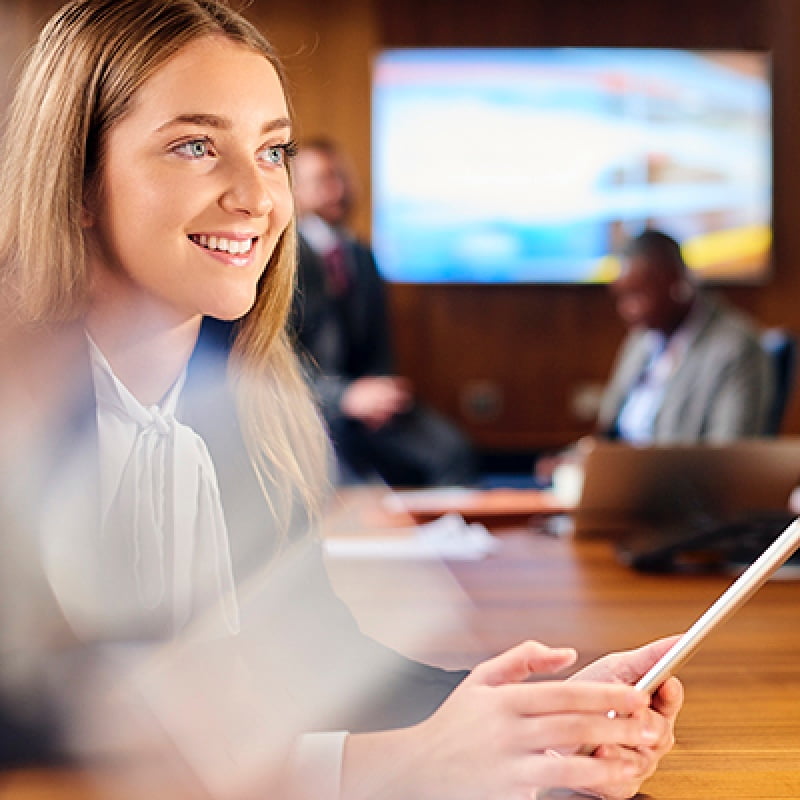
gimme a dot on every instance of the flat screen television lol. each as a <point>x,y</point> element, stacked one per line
<point>535,165</point>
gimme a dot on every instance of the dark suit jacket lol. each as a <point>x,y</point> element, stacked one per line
<point>301,640</point>
<point>347,337</point>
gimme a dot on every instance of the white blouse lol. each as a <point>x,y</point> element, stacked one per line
<point>158,486</point>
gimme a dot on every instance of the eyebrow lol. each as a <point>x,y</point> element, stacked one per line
<point>221,123</point>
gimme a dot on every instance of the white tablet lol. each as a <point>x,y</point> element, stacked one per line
<point>738,593</point>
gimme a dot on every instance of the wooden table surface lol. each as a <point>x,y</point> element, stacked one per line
<point>739,732</point>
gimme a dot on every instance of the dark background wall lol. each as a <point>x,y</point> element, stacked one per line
<point>511,364</point>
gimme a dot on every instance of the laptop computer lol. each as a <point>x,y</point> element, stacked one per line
<point>661,502</point>
<point>669,483</point>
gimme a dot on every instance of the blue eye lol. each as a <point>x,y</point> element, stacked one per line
<point>194,148</point>
<point>198,148</point>
<point>275,155</point>
<point>278,155</point>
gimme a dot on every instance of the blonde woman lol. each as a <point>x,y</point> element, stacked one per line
<point>145,184</point>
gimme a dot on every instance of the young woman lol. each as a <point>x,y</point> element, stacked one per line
<point>145,184</point>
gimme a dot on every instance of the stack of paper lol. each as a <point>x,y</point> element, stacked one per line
<point>448,537</point>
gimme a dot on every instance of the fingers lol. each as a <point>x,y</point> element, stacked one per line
<point>572,716</point>
<point>520,662</point>
<point>559,714</point>
<point>638,662</point>
<point>627,666</point>
<point>640,765</point>
<point>643,761</point>
<point>602,776</point>
<point>574,697</point>
<point>668,698</point>
<point>666,703</point>
<point>570,732</point>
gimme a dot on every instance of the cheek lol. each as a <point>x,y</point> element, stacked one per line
<point>141,209</point>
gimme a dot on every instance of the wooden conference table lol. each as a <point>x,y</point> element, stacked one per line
<point>739,732</point>
<point>738,735</point>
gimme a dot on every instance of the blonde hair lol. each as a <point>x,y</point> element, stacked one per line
<point>80,79</point>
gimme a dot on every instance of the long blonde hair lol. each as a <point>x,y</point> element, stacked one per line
<point>79,80</point>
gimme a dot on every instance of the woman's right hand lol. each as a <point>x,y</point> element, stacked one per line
<point>491,737</point>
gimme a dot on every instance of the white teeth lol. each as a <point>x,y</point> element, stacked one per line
<point>233,246</point>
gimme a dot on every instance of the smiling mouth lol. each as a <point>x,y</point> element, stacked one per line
<point>220,244</point>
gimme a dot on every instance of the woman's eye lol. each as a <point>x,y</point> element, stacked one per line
<point>195,148</point>
<point>278,155</point>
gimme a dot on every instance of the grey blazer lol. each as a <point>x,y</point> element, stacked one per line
<point>720,391</point>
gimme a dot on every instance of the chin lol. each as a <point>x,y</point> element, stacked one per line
<point>231,311</point>
<point>225,317</point>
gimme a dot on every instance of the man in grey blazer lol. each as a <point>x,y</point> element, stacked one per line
<point>691,369</point>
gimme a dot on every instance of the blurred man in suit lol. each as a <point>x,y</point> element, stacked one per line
<point>691,368</point>
<point>340,317</point>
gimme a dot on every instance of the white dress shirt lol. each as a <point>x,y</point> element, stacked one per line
<point>637,416</point>
<point>321,236</point>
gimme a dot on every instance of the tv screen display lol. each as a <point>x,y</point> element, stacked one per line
<point>535,165</point>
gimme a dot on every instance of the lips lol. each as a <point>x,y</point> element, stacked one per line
<point>223,244</point>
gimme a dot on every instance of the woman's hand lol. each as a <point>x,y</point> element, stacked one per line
<point>627,668</point>
<point>491,737</point>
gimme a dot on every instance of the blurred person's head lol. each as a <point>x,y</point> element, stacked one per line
<point>322,183</point>
<point>654,289</point>
<point>70,219</point>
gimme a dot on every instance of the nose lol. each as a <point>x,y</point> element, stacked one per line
<point>248,191</point>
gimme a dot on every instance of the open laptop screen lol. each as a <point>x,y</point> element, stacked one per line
<point>668,484</point>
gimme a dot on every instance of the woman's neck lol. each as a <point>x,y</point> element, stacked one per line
<point>146,353</point>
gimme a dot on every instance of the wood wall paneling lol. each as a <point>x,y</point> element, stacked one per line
<point>532,347</point>
<point>546,343</point>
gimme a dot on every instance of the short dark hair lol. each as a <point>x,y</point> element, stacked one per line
<point>659,248</point>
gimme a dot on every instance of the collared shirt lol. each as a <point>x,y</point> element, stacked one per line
<point>322,237</point>
<point>331,247</point>
<point>636,419</point>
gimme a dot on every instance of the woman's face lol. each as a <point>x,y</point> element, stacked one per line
<point>194,191</point>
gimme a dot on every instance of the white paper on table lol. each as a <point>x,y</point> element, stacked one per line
<point>448,537</point>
